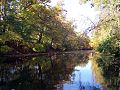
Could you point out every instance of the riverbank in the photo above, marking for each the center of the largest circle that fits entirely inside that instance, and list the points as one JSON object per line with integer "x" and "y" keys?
{"x": 44, "y": 53}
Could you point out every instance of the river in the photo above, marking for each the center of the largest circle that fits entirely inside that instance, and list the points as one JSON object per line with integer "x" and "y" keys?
{"x": 77, "y": 70}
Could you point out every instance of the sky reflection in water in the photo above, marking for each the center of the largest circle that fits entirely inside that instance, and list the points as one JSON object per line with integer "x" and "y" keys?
{"x": 82, "y": 78}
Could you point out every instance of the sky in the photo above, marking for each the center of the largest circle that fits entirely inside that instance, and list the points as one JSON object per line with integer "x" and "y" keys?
{"x": 82, "y": 14}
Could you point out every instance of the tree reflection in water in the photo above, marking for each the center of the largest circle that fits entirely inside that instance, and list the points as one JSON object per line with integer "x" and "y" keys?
{"x": 110, "y": 69}
{"x": 66, "y": 71}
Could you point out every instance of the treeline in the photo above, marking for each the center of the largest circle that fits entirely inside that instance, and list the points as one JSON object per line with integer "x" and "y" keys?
{"x": 106, "y": 36}
{"x": 28, "y": 26}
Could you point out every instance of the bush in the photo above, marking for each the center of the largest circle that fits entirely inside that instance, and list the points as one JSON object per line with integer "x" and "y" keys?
{"x": 105, "y": 46}
{"x": 109, "y": 46}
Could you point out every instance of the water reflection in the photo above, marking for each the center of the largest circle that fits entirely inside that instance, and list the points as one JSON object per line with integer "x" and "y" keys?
{"x": 67, "y": 71}
{"x": 82, "y": 78}
{"x": 110, "y": 69}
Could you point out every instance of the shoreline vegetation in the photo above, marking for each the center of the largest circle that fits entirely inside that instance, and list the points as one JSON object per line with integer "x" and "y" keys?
{"x": 34, "y": 26}
{"x": 43, "y": 53}
{"x": 50, "y": 31}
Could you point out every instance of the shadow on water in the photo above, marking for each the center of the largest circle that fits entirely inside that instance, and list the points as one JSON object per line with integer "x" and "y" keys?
{"x": 67, "y": 71}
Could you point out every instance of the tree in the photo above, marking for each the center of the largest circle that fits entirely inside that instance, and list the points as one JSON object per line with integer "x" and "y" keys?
{"x": 106, "y": 35}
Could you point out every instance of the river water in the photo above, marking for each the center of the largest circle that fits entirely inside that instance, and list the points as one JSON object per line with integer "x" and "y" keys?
{"x": 78, "y": 70}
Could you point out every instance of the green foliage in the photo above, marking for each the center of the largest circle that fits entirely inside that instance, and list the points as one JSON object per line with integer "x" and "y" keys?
{"x": 5, "y": 49}
{"x": 10, "y": 36}
{"x": 106, "y": 37}
{"x": 110, "y": 46}
{"x": 105, "y": 46}
{"x": 39, "y": 48}
{"x": 34, "y": 24}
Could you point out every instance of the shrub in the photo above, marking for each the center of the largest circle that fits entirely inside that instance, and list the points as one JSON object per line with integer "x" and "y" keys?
{"x": 109, "y": 46}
